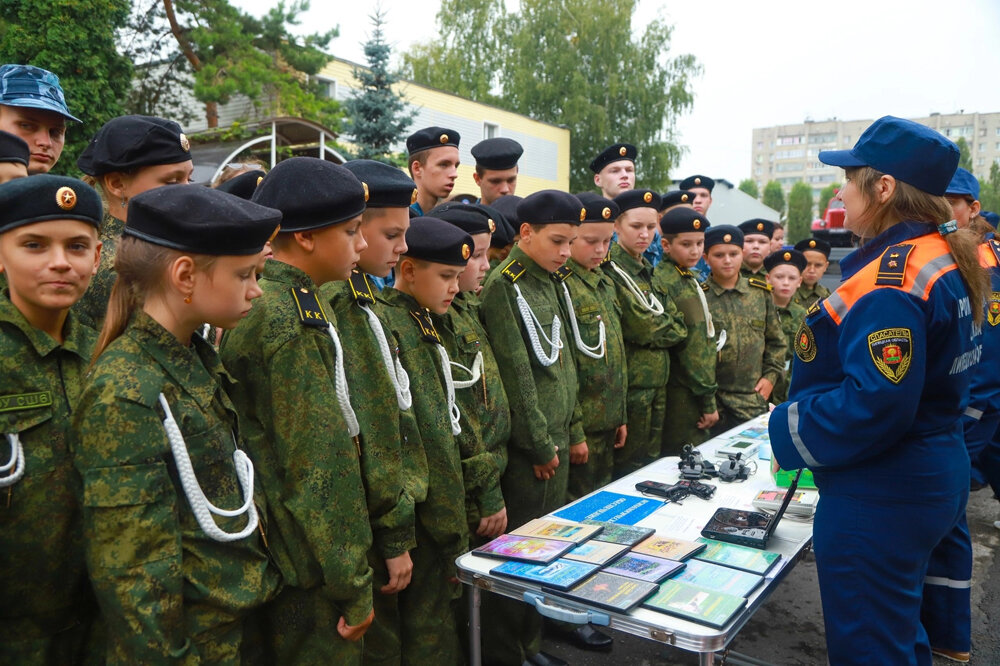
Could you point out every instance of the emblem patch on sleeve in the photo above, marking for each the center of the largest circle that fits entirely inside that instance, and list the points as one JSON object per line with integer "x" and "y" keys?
{"x": 805, "y": 343}
{"x": 892, "y": 352}
{"x": 993, "y": 309}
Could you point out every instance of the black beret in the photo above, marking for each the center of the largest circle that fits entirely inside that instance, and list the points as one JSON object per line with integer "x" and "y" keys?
{"x": 550, "y": 207}
{"x": 464, "y": 198}
{"x": 758, "y": 226}
{"x": 814, "y": 245}
{"x": 46, "y": 197}
{"x": 13, "y": 149}
{"x": 243, "y": 185}
{"x": 697, "y": 181}
{"x": 503, "y": 234}
{"x": 676, "y": 198}
{"x": 615, "y": 153}
{"x": 600, "y": 209}
{"x": 497, "y": 153}
{"x": 467, "y": 217}
{"x": 630, "y": 199}
{"x": 724, "y": 234}
{"x": 200, "y": 220}
{"x": 507, "y": 205}
{"x": 790, "y": 257}
{"x": 388, "y": 186}
{"x": 431, "y": 137}
{"x": 439, "y": 242}
{"x": 588, "y": 197}
{"x": 682, "y": 220}
{"x": 311, "y": 193}
{"x": 129, "y": 142}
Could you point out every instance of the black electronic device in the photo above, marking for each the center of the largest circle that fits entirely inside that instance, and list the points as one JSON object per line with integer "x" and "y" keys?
{"x": 733, "y": 469}
{"x": 693, "y": 465}
{"x": 747, "y": 528}
{"x": 678, "y": 491}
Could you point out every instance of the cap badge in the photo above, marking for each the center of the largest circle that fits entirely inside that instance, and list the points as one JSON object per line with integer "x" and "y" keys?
{"x": 812, "y": 243}
{"x": 583, "y": 214}
{"x": 466, "y": 251}
{"x": 413, "y": 197}
{"x": 760, "y": 226}
{"x": 788, "y": 256}
{"x": 259, "y": 178}
{"x": 622, "y": 151}
{"x": 684, "y": 198}
{"x": 493, "y": 225}
{"x": 606, "y": 213}
{"x": 647, "y": 197}
{"x": 185, "y": 144}
{"x": 727, "y": 238}
{"x": 66, "y": 198}
{"x": 697, "y": 181}
{"x": 365, "y": 185}
{"x": 444, "y": 138}
{"x": 696, "y": 224}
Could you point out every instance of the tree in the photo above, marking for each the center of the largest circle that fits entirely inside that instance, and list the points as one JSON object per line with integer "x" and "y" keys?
{"x": 377, "y": 118}
{"x": 964, "y": 155}
{"x": 562, "y": 63}
{"x": 773, "y": 196}
{"x": 825, "y": 195}
{"x": 989, "y": 191}
{"x": 75, "y": 40}
{"x": 800, "y": 208}
{"x": 749, "y": 186}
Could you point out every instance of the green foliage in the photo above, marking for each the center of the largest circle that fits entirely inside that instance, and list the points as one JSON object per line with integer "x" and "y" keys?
{"x": 577, "y": 63}
{"x": 749, "y": 186}
{"x": 989, "y": 190}
{"x": 774, "y": 196}
{"x": 377, "y": 118}
{"x": 800, "y": 207}
{"x": 825, "y": 195}
{"x": 964, "y": 154}
{"x": 75, "y": 39}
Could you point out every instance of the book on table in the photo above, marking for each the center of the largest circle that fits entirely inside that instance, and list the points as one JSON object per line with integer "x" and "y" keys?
{"x": 616, "y": 593}
{"x": 596, "y": 552}
{"x": 719, "y": 578}
{"x": 695, "y": 603}
{"x": 524, "y": 549}
{"x": 561, "y": 574}
{"x": 668, "y": 547}
{"x": 628, "y": 535}
{"x": 738, "y": 557}
{"x": 644, "y": 567}
{"x": 544, "y": 528}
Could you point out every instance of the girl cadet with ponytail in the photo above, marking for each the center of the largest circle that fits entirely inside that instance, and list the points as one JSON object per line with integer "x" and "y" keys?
{"x": 173, "y": 545}
{"x": 881, "y": 378}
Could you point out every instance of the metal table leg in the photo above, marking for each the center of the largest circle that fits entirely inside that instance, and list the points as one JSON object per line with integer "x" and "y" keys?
{"x": 475, "y": 645}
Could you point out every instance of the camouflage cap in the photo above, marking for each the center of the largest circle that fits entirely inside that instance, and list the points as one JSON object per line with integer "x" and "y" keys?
{"x": 34, "y": 88}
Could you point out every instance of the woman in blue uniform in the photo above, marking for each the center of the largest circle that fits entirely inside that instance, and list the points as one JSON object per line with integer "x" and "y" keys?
{"x": 881, "y": 380}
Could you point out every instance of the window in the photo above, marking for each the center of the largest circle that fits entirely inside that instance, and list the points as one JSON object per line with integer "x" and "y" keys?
{"x": 998, "y": 131}
{"x": 760, "y": 144}
{"x": 490, "y": 130}
{"x": 847, "y": 139}
{"x": 327, "y": 87}
{"x": 982, "y": 146}
{"x": 756, "y": 171}
{"x": 982, "y": 131}
{"x": 981, "y": 161}
{"x": 785, "y": 167}
{"x": 789, "y": 140}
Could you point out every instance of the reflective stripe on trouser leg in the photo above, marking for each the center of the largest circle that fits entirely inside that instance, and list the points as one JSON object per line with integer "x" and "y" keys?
{"x": 946, "y": 611}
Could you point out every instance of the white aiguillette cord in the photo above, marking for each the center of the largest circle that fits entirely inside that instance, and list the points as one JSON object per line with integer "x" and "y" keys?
{"x": 533, "y": 326}
{"x": 16, "y": 462}
{"x": 397, "y": 374}
{"x": 200, "y": 505}
{"x": 651, "y": 303}
{"x": 449, "y": 384}
{"x": 475, "y": 372}
{"x": 704, "y": 306}
{"x": 340, "y": 386}
{"x": 592, "y": 352}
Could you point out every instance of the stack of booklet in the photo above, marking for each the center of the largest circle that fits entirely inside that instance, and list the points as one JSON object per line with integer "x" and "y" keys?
{"x": 618, "y": 567}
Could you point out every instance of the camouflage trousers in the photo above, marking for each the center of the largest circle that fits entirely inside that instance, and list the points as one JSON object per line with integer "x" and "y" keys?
{"x": 597, "y": 471}
{"x": 382, "y": 641}
{"x": 646, "y": 408}
{"x": 681, "y": 424}
{"x": 300, "y": 627}
{"x": 736, "y": 408}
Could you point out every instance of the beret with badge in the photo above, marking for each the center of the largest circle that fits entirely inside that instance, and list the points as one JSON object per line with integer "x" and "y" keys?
{"x": 439, "y": 242}
{"x": 697, "y": 181}
{"x": 32, "y": 87}
{"x": 468, "y": 217}
{"x": 200, "y": 220}
{"x": 615, "y": 153}
{"x": 724, "y": 234}
{"x": 790, "y": 257}
{"x": 599, "y": 209}
{"x": 683, "y": 220}
{"x": 243, "y": 185}
{"x": 312, "y": 194}
{"x": 47, "y": 197}
{"x": 814, "y": 245}
{"x": 431, "y": 137}
{"x": 130, "y": 142}
{"x": 757, "y": 226}
{"x": 388, "y": 186}
{"x": 551, "y": 207}
{"x": 676, "y": 198}
{"x": 13, "y": 149}
{"x": 630, "y": 199}
{"x": 498, "y": 154}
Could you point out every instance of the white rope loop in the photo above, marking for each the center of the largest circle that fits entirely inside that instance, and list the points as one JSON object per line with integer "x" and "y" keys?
{"x": 449, "y": 384}
{"x": 205, "y": 331}
{"x": 197, "y": 500}
{"x": 15, "y": 463}
{"x": 596, "y": 351}
{"x": 340, "y": 385}
{"x": 533, "y": 327}
{"x": 397, "y": 374}
{"x": 475, "y": 372}
{"x": 704, "y": 306}
{"x": 651, "y": 303}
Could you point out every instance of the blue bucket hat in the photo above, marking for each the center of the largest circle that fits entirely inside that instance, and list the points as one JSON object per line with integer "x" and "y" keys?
{"x": 963, "y": 184}
{"x": 908, "y": 151}
{"x": 33, "y": 88}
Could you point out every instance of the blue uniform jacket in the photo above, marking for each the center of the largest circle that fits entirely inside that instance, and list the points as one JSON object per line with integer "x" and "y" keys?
{"x": 985, "y": 388}
{"x": 882, "y": 373}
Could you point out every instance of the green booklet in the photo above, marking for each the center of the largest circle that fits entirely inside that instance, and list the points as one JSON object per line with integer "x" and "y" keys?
{"x": 628, "y": 535}
{"x": 753, "y": 560}
{"x": 719, "y": 578}
{"x": 698, "y": 604}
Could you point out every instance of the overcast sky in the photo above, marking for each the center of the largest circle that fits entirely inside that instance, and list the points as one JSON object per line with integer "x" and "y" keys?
{"x": 772, "y": 62}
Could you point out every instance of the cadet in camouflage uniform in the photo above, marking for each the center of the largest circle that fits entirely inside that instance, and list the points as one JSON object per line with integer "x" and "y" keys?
{"x": 757, "y": 235}
{"x": 691, "y": 386}
{"x": 784, "y": 274}
{"x": 299, "y": 422}
{"x": 381, "y": 399}
{"x": 427, "y": 281}
{"x": 46, "y": 605}
{"x": 539, "y": 375}
{"x": 753, "y": 356}
{"x": 127, "y": 156}
{"x": 651, "y": 324}
{"x": 158, "y": 437}
{"x": 817, "y": 254}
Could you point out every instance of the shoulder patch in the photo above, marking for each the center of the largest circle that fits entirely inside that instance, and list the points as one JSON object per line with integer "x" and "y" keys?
{"x": 759, "y": 283}
{"x": 361, "y": 288}
{"x": 561, "y": 273}
{"x": 17, "y": 401}
{"x": 606, "y": 259}
{"x": 427, "y": 331}
{"x": 813, "y": 309}
{"x": 683, "y": 271}
{"x": 805, "y": 343}
{"x": 512, "y": 270}
{"x": 995, "y": 246}
{"x": 892, "y": 265}
{"x": 704, "y": 285}
{"x": 993, "y": 309}
{"x": 892, "y": 351}
{"x": 310, "y": 311}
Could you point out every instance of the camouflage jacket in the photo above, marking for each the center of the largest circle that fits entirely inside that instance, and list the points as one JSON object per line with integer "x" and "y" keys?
{"x": 693, "y": 360}
{"x": 485, "y": 410}
{"x": 806, "y": 296}
{"x": 91, "y": 308}
{"x": 383, "y": 447}
{"x": 647, "y": 335}
{"x": 442, "y": 513}
{"x": 791, "y": 318}
{"x": 43, "y": 586}
{"x": 545, "y": 411}
{"x": 603, "y": 381}
{"x": 284, "y": 362}
{"x": 159, "y": 579}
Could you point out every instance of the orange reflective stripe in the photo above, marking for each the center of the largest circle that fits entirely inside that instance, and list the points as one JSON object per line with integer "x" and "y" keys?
{"x": 929, "y": 260}
{"x": 987, "y": 257}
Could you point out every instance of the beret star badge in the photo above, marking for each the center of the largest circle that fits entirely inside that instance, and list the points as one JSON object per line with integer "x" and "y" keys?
{"x": 647, "y": 197}
{"x": 606, "y": 213}
{"x": 444, "y": 138}
{"x": 66, "y": 198}
{"x": 696, "y": 224}
{"x": 622, "y": 151}
{"x": 185, "y": 143}
{"x": 466, "y": 252}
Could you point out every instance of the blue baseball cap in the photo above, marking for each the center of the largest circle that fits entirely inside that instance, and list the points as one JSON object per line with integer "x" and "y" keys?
{"x": 908, "y": 151}
{"x": 33, "y": 88}
{"x": 991, "y": 218}
{"x": 963, "y": 184}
